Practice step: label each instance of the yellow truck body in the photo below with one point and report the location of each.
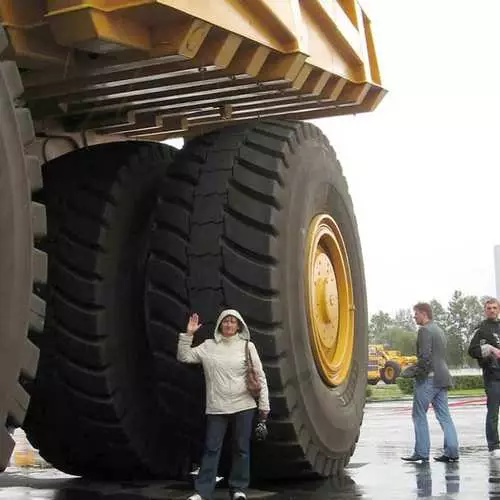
(155, 69)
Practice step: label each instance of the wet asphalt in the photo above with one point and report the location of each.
(376, 471)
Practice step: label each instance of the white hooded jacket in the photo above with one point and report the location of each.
(223, 361)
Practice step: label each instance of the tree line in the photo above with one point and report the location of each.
(458, 320)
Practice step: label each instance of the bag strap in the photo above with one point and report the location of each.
(247, 355)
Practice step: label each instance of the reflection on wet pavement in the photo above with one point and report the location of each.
(376, 471)
(423, 476)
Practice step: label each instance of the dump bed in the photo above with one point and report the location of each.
(162, 68)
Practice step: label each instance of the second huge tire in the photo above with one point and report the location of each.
(231, 230)
(95, 410)
(22, 266)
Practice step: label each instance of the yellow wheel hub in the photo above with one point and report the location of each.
(329, 300)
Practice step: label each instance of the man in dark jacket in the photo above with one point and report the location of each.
(485, 347)
(432, 380)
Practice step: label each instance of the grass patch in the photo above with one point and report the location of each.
(384, 391)
(466, 392)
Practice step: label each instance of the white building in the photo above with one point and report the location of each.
(497, 269)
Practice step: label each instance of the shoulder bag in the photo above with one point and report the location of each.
(253, 382)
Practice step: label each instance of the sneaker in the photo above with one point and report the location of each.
(239, 495)
(495, 453)
(196, 496)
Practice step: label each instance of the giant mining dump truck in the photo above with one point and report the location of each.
(109, 237)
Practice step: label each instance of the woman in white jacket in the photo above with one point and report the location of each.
(227, 398)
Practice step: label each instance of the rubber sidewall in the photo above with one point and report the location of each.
(334, 413)
(15, 256)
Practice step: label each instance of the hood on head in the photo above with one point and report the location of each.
(244, 333)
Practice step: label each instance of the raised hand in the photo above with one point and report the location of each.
(193, 324)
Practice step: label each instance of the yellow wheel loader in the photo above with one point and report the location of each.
(374, 366)
(385, 364)
(110, 237)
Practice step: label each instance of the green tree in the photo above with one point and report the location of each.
(404, 320)
(439, 314)
(474, 315)
(455, 348)
(464, 313)
(400, 339)
(379, 323)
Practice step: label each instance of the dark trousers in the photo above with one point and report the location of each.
(492, 388)
(239, 477)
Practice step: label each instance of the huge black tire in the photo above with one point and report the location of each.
(20, 263)
(390, 372)
(230, 230)
(94, 409)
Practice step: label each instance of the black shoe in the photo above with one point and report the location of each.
(415, 458)
(446, 459)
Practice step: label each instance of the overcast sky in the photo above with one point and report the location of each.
(424, 167)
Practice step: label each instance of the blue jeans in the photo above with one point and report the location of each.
(492, 388)
(424, 394)
(240, 466)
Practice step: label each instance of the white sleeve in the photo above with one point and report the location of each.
(186, 353)
(264, 391)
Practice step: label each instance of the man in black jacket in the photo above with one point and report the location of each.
(485, 347)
